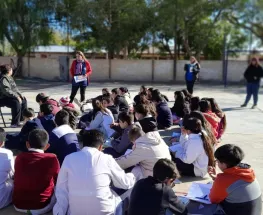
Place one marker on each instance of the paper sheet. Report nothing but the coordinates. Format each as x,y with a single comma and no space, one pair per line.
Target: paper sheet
80,78
199,192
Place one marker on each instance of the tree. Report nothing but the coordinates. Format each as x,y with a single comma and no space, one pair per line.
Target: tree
25,24
247,14
114,24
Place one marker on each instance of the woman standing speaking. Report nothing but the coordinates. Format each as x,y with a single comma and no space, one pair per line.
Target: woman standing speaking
191,73
80,71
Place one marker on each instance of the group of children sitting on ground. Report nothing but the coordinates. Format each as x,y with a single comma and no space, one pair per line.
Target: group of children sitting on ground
122,154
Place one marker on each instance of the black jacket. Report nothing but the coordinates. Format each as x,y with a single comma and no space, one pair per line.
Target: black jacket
121,103
148,124
180,109
152,197
253,74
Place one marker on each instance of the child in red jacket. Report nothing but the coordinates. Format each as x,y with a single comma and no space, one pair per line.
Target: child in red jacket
212,118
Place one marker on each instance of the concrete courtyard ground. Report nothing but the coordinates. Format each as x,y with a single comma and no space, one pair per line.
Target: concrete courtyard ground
245,126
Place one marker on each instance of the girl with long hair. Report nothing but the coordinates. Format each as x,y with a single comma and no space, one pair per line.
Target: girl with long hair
102,119
196,153
253,74
181,106
80,68
217,110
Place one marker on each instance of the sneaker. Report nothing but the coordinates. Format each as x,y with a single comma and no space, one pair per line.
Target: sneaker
254,107
77,102
244,105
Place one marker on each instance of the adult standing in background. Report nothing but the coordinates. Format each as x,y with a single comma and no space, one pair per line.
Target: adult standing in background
80,71
10,96
253,74
191,73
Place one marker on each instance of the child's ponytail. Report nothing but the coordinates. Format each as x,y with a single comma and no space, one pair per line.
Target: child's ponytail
208,148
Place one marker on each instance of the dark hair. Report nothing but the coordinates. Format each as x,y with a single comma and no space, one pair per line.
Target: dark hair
115,91
205,124
46,109
229,154
217,110
165,169
107,92
42,97
135,133
142,109
204,106
151,89
92,138
186,93
28,113
106,98
144,89
157,98
124,89
125,117
62,118
194,125
73,117
97,106
38,138
195,103
2,135
5,69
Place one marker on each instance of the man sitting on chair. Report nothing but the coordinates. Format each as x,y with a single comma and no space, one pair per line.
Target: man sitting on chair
10,96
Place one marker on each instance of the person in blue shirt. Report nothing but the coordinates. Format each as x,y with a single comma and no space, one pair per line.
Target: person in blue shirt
191,74
31,123
46,117
63,140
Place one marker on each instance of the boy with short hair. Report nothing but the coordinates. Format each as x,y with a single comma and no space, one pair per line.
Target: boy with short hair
47,118
154,195
236,189
63,139
35,176
121,144
6,172
84,182
30,123
42,98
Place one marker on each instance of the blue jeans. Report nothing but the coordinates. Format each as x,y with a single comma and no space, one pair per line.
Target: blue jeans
252,89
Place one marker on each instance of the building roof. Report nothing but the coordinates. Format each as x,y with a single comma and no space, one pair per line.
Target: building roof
53,49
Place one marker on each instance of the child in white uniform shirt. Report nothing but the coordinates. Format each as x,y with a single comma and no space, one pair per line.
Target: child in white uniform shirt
6,172
83,185
196,152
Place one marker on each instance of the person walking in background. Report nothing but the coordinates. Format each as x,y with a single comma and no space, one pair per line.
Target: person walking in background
80,71
10,96
191,74
253,74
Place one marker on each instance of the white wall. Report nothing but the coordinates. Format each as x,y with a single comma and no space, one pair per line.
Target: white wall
134,70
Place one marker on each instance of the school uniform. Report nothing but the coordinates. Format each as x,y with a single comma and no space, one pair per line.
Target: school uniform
102,122
19,141
84,181
121,103
191,159
34,181
115,112
150,196
6,175
164,116
213,120
120,145
237,191
147,151
48,122
63,141
148,124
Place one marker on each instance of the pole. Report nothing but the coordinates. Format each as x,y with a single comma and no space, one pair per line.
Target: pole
175,41
224,59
